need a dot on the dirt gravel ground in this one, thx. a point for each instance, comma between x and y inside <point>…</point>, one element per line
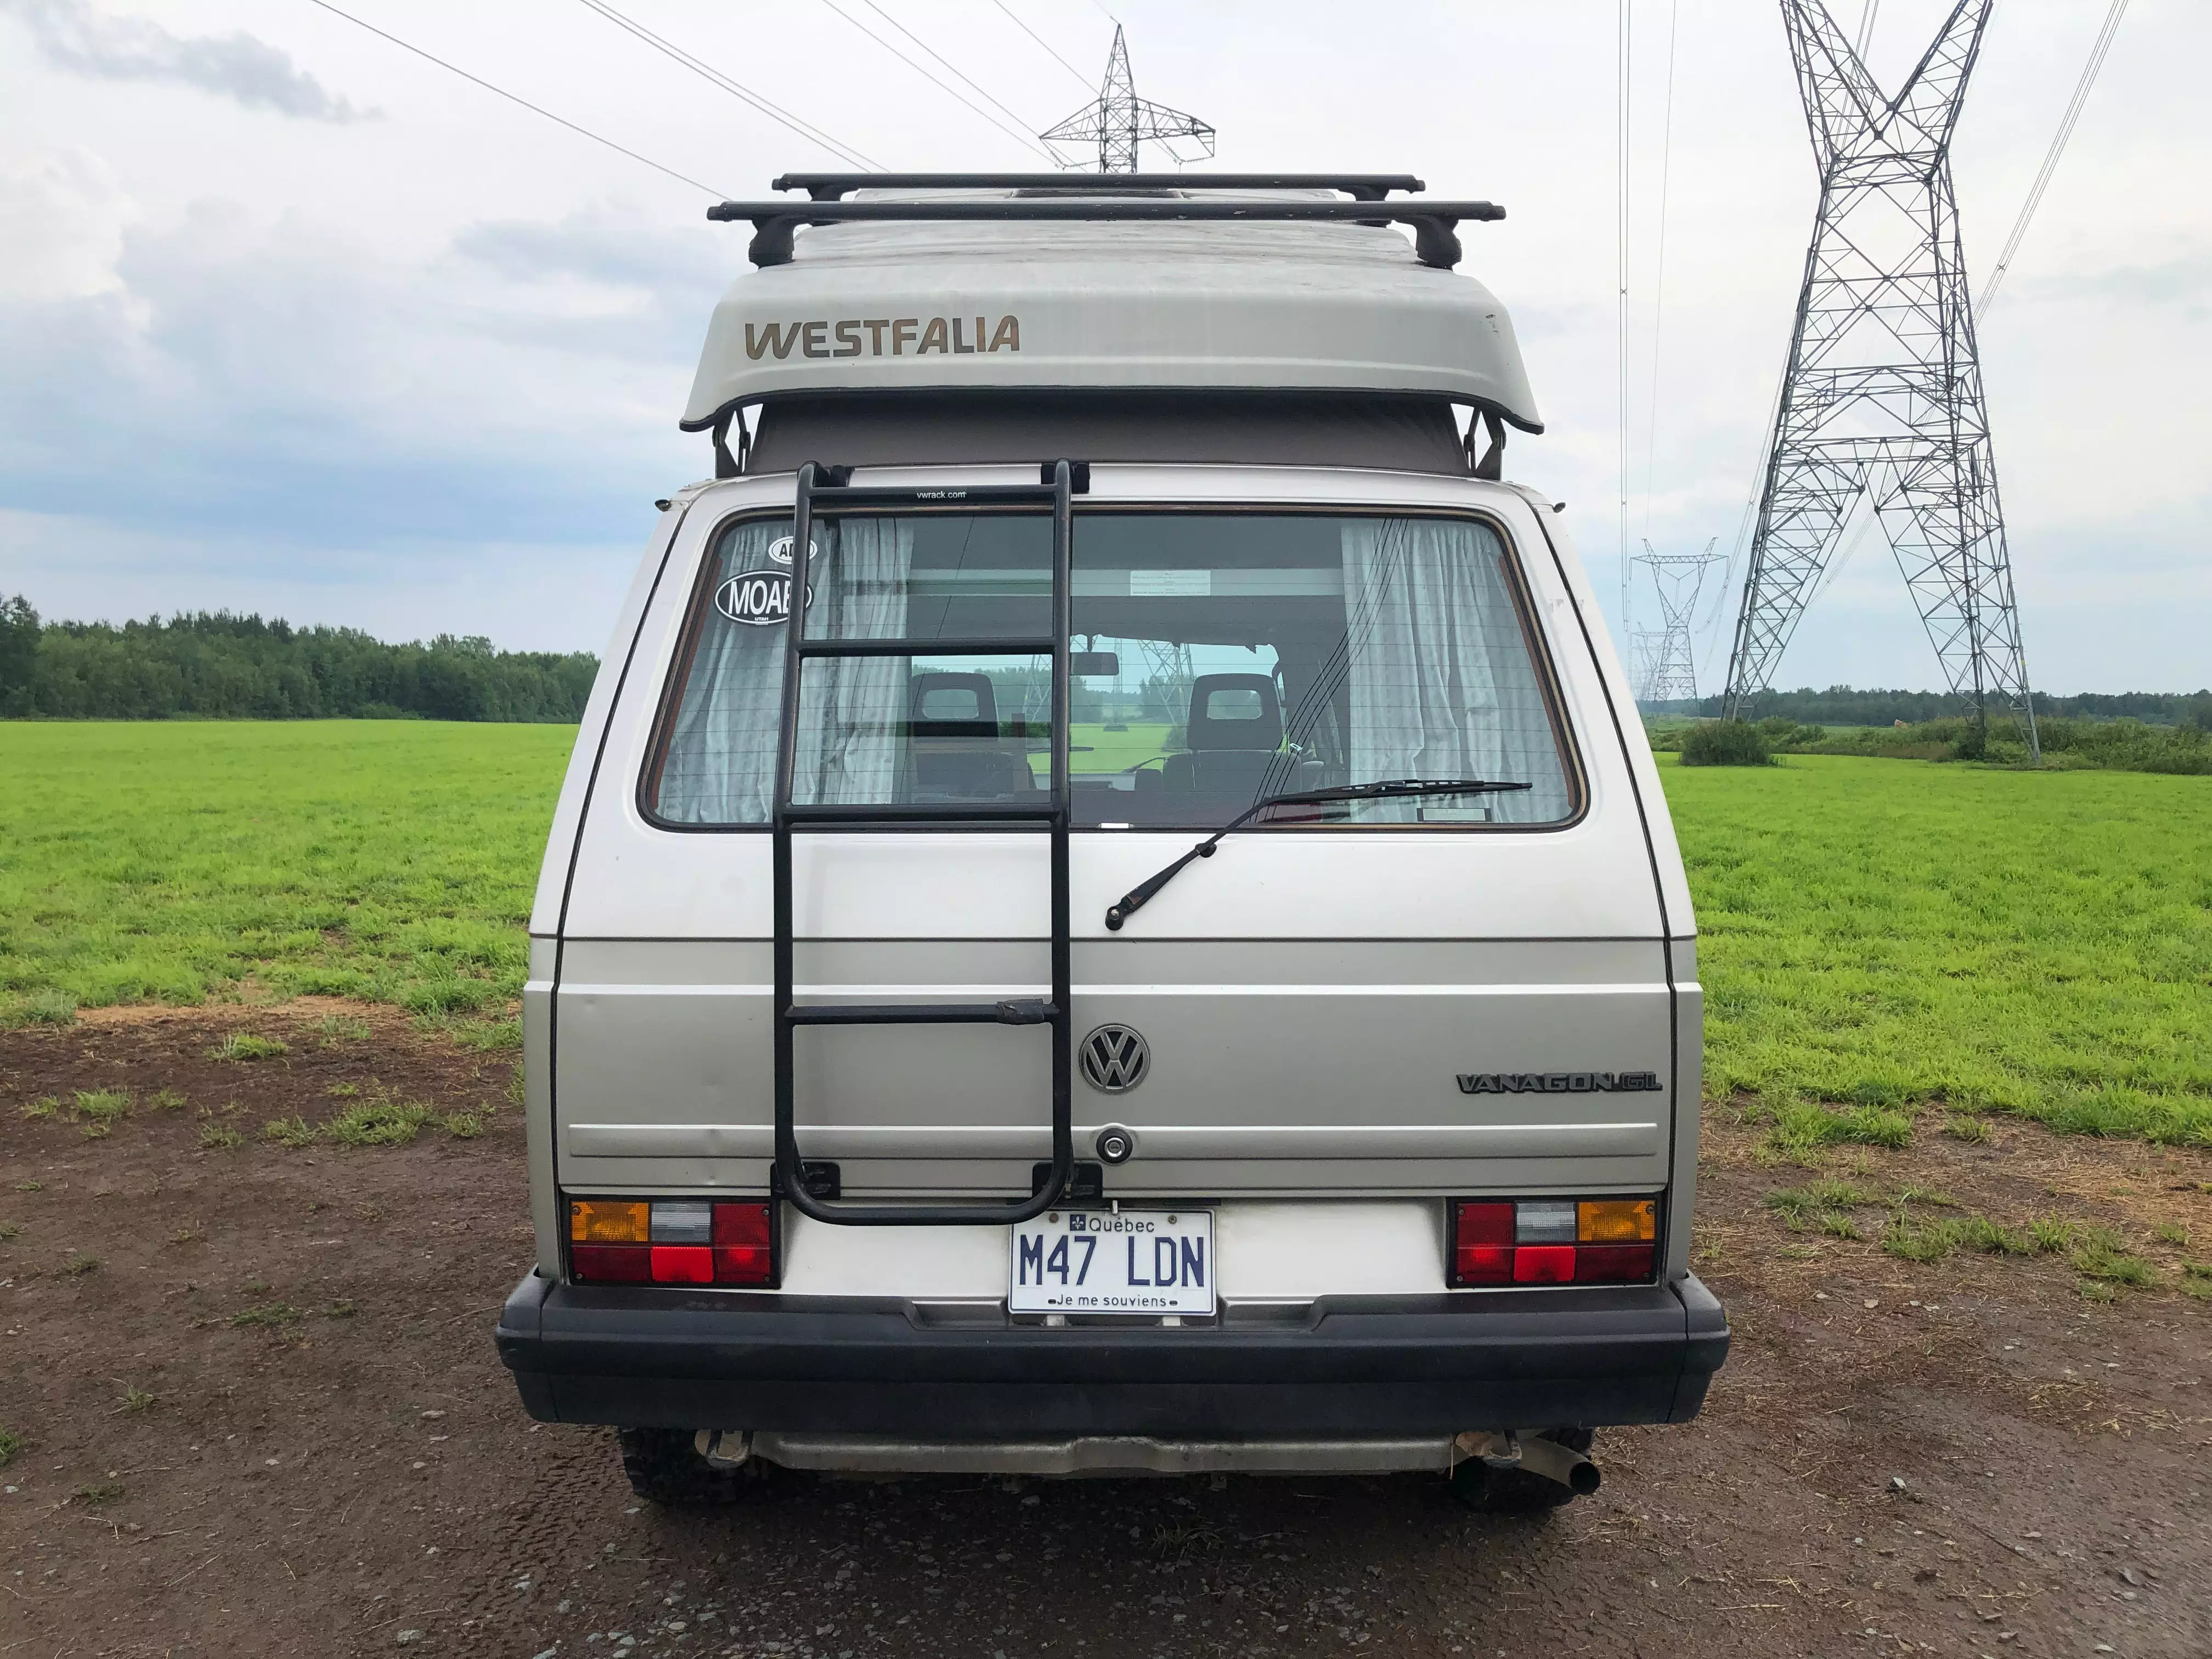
<point>259,1413</point>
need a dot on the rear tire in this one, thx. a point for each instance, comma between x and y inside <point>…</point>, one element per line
<point>1516,1491</point>
<point>664,1466</point>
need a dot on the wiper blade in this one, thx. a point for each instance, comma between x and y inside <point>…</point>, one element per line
<point>1141,895</point>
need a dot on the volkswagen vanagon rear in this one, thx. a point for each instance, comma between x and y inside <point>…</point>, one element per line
<point>1111,913</point>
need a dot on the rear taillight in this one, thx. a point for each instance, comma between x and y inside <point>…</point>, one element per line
<point>1552,1241</point>
<point>671,1242</point>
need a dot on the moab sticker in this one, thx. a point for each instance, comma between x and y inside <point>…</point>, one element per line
<point>762,599</point>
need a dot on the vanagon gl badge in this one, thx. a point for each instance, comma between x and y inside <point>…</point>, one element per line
<point>1557,1083</point>
<point>1114,1059</point>
<point>762,599</point>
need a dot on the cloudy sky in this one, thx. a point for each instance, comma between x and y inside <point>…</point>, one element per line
<point>294,321</point>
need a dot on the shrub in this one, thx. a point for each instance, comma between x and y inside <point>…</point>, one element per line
<point>1800,1126</point>
<point>2098,1254</point>
<point>1725,742</point>
<point>41,1008</point>
<point>379,1123</point>
<point>96,1110</point>
<point>244,1045</point>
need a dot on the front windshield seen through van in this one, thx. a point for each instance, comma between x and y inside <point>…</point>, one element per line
<point>1220,657</point>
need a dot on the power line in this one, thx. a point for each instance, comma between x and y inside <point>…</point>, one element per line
<point>2098,48</point>
<point>1659,266</point>
<point>806,129</point>
<point>534,109</point>
<point>1047,44</point>
<point>950,92</point>
<point>941,58</point>
<point>1622,66</point>
<point>1866,27</point>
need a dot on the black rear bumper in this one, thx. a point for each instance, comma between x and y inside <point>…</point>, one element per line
<point>1349,1367</point>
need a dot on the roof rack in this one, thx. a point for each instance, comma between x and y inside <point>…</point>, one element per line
<point>1360,186</point>
<point>1082,197</point>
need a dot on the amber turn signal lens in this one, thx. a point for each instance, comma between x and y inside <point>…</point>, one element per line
<point>598,1221</point>
<point>1616,1221</point>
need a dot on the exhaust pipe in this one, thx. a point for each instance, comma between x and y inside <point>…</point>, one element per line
<point>1512,1450</point>
<point>1561,1463</point>
<point>724,1449</point>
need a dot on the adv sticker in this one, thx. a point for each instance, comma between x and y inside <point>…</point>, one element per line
<point>762,599</point>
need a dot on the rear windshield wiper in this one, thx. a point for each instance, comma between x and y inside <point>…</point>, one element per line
<point>1141,895</point>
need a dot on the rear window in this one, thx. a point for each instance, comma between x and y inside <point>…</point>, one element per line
<point>1219,658</point>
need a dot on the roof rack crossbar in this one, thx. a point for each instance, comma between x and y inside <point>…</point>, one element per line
<point>1360,186</point>
<point>1435,224</point>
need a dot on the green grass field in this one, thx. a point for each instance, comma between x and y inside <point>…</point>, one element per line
<point>170,860</point>
<point>1878,936</point>
<point>1883,934</point>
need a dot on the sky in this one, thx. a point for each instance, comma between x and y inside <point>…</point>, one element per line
<point>296,322</point>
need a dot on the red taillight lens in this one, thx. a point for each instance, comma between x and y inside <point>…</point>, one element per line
<point>1613,1264</point>
<point>743,1253</point>
<point>612,1264</point>
<point>1518,1242</point>
<point>683,1264</point>
<point>1544,1264</point>
<point>671,1242</point>
<point>1482,1244</point>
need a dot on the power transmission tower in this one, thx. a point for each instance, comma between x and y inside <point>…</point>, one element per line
<point>1667,662</point>
<point>1882,401</point>
<point>1119,120</point>
<point>1172,670</point>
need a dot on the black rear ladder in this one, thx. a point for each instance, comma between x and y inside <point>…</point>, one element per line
<point>822,487</point>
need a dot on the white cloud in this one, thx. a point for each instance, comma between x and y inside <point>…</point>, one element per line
<point>77,38</point>
<point>62,218</point>
<point>436,346</point>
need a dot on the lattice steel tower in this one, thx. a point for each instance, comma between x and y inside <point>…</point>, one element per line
<point>1883,396</point>
<point>1119,120</point>
<point>1666,657</point>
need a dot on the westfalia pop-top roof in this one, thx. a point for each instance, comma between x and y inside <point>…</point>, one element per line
<point>1131,283</point>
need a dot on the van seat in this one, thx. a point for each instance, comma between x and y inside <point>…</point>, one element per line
<point>1234,735</point>
<point>954,721</point>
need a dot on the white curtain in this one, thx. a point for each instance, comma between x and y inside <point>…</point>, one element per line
<point>721,766</point>
<point>721,754</point>
<point>1442,683</point>
<point>852,710</point>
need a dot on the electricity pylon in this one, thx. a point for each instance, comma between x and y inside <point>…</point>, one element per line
<point>1118,121</point>
<point>1668,661</point>
<point>1882,401</point>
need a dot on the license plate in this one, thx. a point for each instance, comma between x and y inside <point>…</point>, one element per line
<point>1094,1262</point>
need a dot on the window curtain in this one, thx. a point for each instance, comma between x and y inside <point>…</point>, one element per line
<point>721,766</point>
<point>1441,681</point>
<point>852,710</point>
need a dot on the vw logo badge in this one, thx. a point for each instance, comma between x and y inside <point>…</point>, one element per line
<point>1114,1059</point>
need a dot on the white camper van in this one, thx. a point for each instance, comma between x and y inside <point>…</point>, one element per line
<point>1111,913</point>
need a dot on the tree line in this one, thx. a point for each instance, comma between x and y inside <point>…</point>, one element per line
<point>1843,705</point>
<point>218,665</point>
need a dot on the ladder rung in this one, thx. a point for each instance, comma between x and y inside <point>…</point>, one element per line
<point>835,496</point>
<point>1010,1012</point>
<point>1040,645</point>
<point>949,811</point>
